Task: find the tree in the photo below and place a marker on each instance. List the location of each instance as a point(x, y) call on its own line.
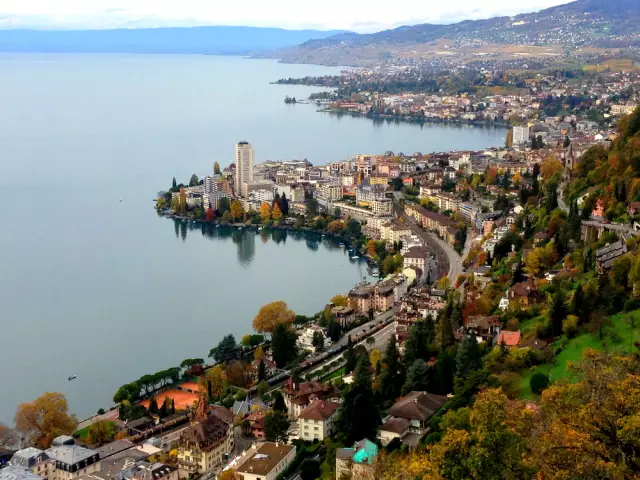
point(276, 426)
point(258, 354)
point(271, 315)
point(391, 378)
point(283, 345)
point(44, 419)
point(153, 405)
point(262, 372)
point(318, 341)
point(418, 344)
point(211, 215)
point(217, 379)
point(224, 205)
point(357, 416)
point(335, 226)
point(174, 184)
point(284, 204)
point(8, 437)
point(557, 312)
point(312, 207)
point(194, 180)
point(227, 474)
point(468, 356)
point(276, 212)
point(539, 382)
point(237, 210)
point(216, 168)
point(239, 374)
point(532, 264)
point(278, 402)
point(100, 432)
point(265, 211)
point(340, 301)
point(417, 377)
point(375, 356)
point(226, 350)
point(310, 469)
point(550, 166)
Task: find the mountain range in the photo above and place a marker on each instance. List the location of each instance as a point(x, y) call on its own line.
point(221, 40)
point(582, 23)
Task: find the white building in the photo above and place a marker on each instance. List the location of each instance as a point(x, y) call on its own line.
point(265, 461)
point(244, 166)
point(316, 422)
point(520, 134)
point(305, 339)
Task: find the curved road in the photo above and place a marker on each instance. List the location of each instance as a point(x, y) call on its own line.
point(449, 262)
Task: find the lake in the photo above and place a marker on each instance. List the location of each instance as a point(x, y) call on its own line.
point(107, 290)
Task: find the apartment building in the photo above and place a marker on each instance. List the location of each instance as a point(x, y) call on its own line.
point(244, 166)
point(316, 422)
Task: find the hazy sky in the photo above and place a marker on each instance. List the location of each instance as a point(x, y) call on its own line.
point(357, 15)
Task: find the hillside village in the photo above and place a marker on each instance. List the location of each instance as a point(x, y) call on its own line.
point(506, 301)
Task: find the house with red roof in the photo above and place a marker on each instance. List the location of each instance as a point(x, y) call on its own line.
point(509, 338)
point(316, 422)
point(298, 396)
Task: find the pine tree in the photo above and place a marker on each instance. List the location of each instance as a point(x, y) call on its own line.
point(468, 356)
point(576, 306)
point(262, 371)
point(392, 376)
point(358, 416)
point(278, 403)
point(153, 405)
point(284, 204)
point(417, 377)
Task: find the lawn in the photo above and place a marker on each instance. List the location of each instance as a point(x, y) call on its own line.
point(619, 338)
point(338, 373)
point(83, 432)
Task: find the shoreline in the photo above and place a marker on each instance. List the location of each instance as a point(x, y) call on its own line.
point(420, 121)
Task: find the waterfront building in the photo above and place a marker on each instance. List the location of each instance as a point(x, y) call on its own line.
point(520, 134)
point(67, 462)
point(32, 459)
point(265, 461)
point(418, 257)
point(317, 421)
point(394, 232)
point(17, 473)
point(244, 166)
point(248, 187)
point(305, 339)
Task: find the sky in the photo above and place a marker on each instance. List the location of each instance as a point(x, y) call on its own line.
point(362, 16)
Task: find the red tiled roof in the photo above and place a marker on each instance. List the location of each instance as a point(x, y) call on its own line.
point(510, 339)
point(319, 410)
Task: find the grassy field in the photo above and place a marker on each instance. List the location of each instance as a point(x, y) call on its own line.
point(619, 338)
point(82, 433)
point(338, 373)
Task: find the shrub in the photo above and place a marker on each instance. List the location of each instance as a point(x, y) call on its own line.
point(570, 326)
point(538, 382)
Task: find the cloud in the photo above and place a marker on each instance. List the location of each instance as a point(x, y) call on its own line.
point(357, 15)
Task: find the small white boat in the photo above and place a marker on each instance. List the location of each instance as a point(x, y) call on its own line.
point(259, 229)
point(354, 257)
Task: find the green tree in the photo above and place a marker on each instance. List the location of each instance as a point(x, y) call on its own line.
point(153, 405)
point(276, 426)
point(278, 402)
point(312, 207)
point(216, 168)
point(194, 180)
point(539, 382)
point(310, 469)
point(557, 312)
point(418, 344)
point(358, 416)
point(174, 184)
point(417, 377)
point(318, 341)
point(283, 345)
point(226, 350)
point(468, 356)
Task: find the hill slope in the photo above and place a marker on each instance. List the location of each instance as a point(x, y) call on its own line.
point(597, 23)
point(214, 40)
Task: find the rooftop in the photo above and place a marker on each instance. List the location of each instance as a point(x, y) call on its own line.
point(17, 473)
point(417, 406)
point(265, 458)
point(70, 454)
point(319, 410)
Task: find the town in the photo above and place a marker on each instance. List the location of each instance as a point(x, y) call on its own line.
point(502, 274)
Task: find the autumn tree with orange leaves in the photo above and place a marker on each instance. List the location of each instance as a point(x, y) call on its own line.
point(271, 315)
point(44, 419)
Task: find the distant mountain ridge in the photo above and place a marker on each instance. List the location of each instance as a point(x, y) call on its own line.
point(223, 40)
point(595, 23)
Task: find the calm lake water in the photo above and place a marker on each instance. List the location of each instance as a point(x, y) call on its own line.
point(107, 290)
